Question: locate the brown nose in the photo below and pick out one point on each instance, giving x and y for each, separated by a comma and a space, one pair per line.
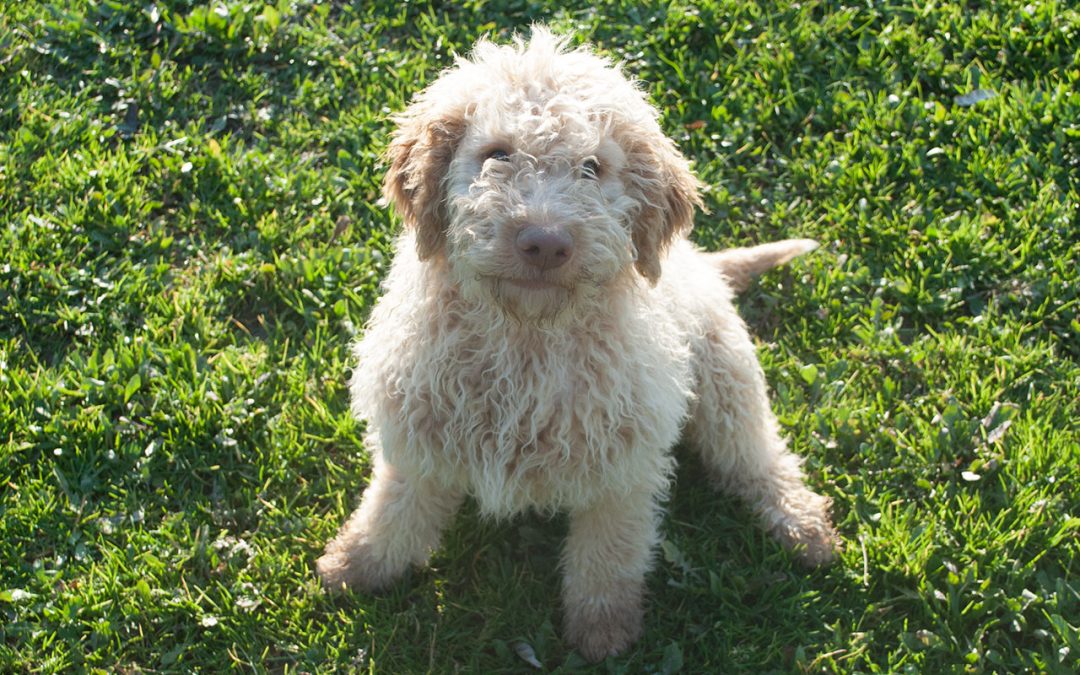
544, 247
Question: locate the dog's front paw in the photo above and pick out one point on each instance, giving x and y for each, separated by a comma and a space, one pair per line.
602, 627
356, 568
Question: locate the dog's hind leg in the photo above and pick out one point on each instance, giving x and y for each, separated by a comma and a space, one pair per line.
737, 436
398, 524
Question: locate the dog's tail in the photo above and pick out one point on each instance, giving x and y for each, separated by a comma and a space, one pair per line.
742, 265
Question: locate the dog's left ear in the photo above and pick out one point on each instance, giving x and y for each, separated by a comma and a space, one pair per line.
659, 178
419, 155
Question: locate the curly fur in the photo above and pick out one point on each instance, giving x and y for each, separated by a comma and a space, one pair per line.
563, 387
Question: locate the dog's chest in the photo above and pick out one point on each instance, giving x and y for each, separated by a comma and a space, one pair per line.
534, 422
536, 403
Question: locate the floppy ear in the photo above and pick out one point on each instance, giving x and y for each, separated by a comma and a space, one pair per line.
419, 156
667, 193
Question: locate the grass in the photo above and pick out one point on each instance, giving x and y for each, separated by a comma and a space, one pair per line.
191, 237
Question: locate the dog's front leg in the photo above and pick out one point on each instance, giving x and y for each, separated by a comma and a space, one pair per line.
398, 524
608, 551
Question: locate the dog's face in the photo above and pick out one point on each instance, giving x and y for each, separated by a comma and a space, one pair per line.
540, 175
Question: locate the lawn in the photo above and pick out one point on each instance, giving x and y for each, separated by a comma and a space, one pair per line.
191, 236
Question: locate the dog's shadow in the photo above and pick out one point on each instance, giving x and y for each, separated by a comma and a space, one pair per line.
728, 594
722, 594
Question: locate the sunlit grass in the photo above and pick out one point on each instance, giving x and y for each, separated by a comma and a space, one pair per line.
191, 236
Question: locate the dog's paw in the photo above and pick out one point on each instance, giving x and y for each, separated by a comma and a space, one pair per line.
808, 532
599, 628
815, 546
354, 569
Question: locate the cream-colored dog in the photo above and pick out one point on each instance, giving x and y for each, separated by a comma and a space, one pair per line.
548, 332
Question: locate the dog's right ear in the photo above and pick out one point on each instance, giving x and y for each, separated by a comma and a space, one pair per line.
419, 155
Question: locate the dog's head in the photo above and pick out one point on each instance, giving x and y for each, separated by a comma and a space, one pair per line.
540, 174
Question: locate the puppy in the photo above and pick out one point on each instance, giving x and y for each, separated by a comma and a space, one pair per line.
548, 333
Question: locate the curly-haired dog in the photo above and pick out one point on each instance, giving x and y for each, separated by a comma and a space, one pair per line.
548, 331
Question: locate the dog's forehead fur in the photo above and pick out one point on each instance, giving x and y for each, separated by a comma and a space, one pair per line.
552, 95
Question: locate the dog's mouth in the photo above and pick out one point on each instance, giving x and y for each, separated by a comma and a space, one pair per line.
534, 284
524, 283
530, 298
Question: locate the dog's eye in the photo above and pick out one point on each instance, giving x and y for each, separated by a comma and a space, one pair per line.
590, 169
499, 155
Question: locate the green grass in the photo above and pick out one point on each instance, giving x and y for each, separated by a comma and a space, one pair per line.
191, 238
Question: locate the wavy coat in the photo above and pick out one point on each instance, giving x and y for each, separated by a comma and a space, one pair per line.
561, 385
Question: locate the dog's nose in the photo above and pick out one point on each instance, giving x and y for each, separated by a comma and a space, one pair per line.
544, 247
